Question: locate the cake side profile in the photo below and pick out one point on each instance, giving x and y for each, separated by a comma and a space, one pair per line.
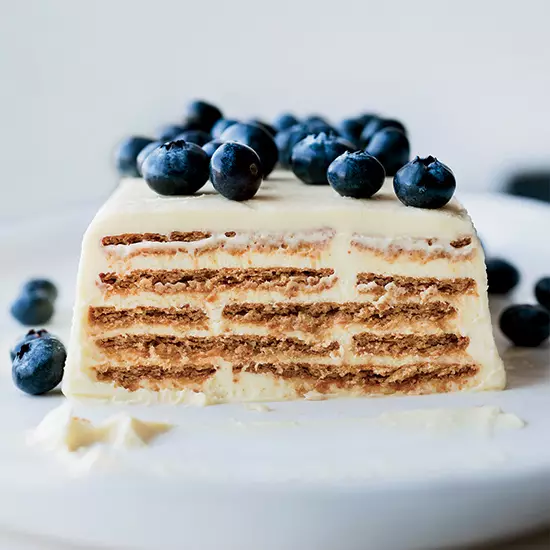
297, 293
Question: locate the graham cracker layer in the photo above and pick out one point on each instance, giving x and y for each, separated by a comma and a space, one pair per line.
175, 236
313, 317
415, 285
398, 345
183, 316
288, 280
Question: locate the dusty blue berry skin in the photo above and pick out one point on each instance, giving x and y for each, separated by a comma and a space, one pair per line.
38, 365
312, 156
236, 171
358, 175
198, 137
126, 154
350, 129
286, 140
221, 126
176, 168
284, 121
525, 325
31, 335
265, 125
424, 183
375, 125
542, 292
257, 138
144, 153
391, 147
33, 308
212, 146
41, 285
502, 276
202, 115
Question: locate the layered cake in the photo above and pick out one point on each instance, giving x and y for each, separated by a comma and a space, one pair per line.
298, 293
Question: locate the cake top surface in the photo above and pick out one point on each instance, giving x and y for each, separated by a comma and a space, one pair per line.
283, 203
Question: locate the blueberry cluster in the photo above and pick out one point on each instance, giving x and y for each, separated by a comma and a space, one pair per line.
35, 304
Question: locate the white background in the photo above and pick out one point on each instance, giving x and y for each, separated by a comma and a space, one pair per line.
470, 78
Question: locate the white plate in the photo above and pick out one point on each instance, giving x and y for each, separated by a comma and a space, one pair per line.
305, 475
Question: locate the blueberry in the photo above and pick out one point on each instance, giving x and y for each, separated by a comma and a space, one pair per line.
221, 125
375, 125
365, 118
211, 147
145, 152
41, 285
315, 119
350, 129
424, 183
286, 140
267, 127
525, 325
542, 292
236, 171
31, 335
198, 137
38, 365
391, 147
126, 155
502, 276
33, 308
203, 115
169, 132
312, 156
257, 138
176, 168
319, 126
284, 121
357, 175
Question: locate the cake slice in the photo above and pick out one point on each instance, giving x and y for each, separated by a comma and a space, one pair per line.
297, 293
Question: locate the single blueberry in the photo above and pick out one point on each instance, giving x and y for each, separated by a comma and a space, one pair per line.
145, 152
203, 115
284, 121
542, 292
377, 124
198, 137
424, 183
257, 138
176, 168
220, 126
312, 156
266, 126
31, 335
350, 129
525, 325
211, 147
286, 140
502, 276
38, 365
169, 132
126, 154
357, 175
391, 147
40, 285
33, 308
236, 171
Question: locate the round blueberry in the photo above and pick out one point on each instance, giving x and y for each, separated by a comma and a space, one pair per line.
542, 292
312, 156
221, 126
33, 308
525, 325
502, 276
176, 168
286, 140
145, 152
257, 138
236, 171
424, 183
391, 147
41, 285
267, 127
38, 365
126, 154
284, 121
350, 129
198, 137
357, 175
318, 126
375, 125
204, 115
31, 335
169, 132
211, 147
